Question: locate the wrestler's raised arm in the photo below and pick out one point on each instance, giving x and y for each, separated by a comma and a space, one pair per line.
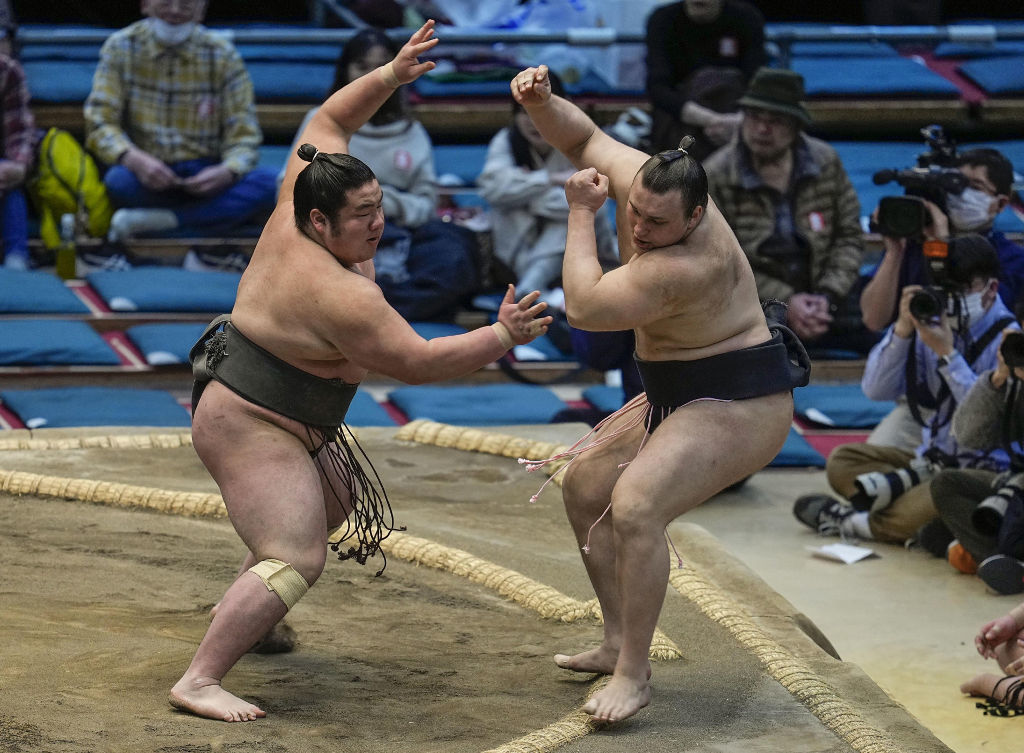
348, 109
571, 131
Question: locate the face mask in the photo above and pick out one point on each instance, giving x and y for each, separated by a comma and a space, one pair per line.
171, 34
971, 210
971, 308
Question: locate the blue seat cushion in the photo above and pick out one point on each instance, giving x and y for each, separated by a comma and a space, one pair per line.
365, 411
291, 81
53, 342
166, 289
59, 81
843, 49
607, 399
871, 77
36, 293
94, 406
993, 49
465, 161
164, 344
1002, 75
796, 452
839, 405
482, 405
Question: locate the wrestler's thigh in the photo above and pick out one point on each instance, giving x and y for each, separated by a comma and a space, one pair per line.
270, 485
590, 478
699, 450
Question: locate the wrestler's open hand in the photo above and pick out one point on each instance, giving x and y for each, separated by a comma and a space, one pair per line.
521, 318
587, 189
405, 65
532, 86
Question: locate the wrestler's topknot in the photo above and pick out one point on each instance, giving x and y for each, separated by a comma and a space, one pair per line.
307, 152
677, 170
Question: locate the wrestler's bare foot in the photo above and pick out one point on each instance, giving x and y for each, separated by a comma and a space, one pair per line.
619, 699
600, 660
985, 685
205, 697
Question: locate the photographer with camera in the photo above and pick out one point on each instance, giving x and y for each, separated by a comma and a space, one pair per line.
794, 211
982, 512
947, 194
951, 194
932, 358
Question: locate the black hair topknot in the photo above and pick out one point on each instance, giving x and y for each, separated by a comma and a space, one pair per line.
307, 152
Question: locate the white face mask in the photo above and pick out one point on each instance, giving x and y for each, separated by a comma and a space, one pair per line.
172, 34
971, 210
972, 309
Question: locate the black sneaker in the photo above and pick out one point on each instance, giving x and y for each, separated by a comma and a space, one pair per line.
1002, 573
821, 512
934, 537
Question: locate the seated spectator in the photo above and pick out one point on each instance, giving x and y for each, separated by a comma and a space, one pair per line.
701, 54
934, 361
794, 211
974, 211
523, 181
1001, 639
171, 111
426, 267
19, 143
980, 527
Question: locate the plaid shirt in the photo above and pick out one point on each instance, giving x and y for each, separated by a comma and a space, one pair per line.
19, 127
190, 101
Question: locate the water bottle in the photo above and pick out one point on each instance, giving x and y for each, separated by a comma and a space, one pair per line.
66, 250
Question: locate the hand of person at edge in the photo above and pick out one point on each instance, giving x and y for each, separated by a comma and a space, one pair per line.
521, 318
531, 86
406, 66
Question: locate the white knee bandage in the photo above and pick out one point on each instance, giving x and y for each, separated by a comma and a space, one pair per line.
282, 579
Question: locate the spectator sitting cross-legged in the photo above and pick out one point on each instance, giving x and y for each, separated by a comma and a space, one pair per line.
795, 213
171, 111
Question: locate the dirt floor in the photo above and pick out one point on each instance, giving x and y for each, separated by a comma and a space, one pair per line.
101, 609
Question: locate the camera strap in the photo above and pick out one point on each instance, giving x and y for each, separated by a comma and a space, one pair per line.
918, 394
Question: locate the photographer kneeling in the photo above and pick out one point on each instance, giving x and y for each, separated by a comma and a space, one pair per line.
942, 339
983, 511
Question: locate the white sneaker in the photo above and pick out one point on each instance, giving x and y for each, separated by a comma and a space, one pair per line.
130, 223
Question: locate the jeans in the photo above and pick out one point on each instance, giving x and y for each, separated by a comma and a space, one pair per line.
251, 197
14, 224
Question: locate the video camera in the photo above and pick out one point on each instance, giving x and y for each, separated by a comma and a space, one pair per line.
935, 176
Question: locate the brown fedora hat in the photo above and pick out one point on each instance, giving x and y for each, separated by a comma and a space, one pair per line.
778, 90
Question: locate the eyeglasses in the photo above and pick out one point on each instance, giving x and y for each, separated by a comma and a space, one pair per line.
767, 117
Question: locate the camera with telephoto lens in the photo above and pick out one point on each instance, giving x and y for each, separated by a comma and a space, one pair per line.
935, 176
929, 303
988, 516
1012, 349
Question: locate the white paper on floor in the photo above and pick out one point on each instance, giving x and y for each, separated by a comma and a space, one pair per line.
845, 553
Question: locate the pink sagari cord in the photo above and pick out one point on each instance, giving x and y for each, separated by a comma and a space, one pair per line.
640, 401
